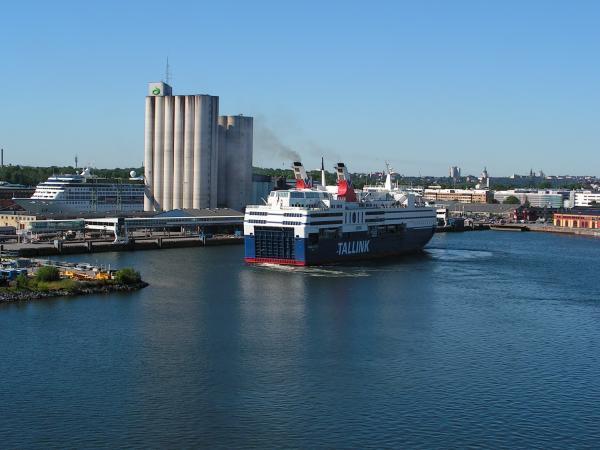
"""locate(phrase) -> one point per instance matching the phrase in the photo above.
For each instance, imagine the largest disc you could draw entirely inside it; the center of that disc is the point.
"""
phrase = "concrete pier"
(151, 243)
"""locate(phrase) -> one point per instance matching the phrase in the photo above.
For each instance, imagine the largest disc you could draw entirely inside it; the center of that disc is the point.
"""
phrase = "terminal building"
(578, 218)
(192, 157)
(124, 229)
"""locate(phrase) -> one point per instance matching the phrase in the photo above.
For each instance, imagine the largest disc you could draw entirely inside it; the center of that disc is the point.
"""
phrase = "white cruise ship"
(83, 193)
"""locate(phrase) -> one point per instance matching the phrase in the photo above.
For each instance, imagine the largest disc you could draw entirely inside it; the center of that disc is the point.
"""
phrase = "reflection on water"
(454, 255)
(478, 341)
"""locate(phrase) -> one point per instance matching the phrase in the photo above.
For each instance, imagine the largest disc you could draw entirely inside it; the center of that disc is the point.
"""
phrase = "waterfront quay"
(171, 229)
(550, 228)
(154, 242)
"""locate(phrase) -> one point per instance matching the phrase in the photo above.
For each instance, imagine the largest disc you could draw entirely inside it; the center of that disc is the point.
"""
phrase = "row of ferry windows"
(264, 213)
(285, 222)
(297, 194)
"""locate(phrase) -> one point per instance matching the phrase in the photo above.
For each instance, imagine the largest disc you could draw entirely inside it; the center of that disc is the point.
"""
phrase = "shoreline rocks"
(7, 296)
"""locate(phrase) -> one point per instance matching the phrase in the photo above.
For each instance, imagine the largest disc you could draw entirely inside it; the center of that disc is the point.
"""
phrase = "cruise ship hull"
(280, 247)
(38, 206)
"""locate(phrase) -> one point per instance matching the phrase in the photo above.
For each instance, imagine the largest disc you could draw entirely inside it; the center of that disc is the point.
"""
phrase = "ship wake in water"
(325, 272)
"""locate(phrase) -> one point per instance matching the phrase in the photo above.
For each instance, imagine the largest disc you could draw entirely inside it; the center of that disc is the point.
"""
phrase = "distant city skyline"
(509, 86)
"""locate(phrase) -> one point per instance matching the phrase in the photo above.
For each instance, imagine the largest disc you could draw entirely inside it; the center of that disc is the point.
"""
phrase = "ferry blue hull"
(351, 247)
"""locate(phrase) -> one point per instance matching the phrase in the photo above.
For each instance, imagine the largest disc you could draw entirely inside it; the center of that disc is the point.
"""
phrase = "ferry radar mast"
(388, 176)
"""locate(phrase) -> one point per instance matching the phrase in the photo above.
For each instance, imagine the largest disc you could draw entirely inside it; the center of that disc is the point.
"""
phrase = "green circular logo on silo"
(156, 91)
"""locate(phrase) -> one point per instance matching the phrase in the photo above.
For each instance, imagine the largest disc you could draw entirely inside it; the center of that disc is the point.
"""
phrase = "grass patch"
(60, 285)
(33, 284)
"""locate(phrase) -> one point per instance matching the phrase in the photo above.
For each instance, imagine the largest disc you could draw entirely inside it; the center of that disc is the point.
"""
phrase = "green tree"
(22, 281)
(47, 273)
(127, 275)
(31, 176)
(511, 200)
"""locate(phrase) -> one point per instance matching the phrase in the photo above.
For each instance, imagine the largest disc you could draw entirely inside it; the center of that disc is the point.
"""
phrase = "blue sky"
(510, 85)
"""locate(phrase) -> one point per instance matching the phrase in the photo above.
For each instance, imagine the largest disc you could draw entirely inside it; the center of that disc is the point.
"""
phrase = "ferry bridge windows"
(355, 217)
(314, 195)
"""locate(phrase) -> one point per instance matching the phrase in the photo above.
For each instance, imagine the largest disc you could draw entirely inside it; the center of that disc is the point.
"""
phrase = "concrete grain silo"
(188, 152)
(159, 150)
(148, 155)
(222, 183)
(178, 144)
(236, 143)
(186, 148)
(206, 114)
(167, 197)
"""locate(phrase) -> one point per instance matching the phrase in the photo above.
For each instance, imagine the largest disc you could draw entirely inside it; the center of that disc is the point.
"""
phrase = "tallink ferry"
(314, 225)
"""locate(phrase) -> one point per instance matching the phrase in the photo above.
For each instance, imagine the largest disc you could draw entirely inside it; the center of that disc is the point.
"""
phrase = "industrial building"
(476, 210)
(185, 145)
(262, 185)
(536, 198)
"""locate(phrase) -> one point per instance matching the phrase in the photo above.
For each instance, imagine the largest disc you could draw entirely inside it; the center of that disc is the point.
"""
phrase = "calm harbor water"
(488, 339)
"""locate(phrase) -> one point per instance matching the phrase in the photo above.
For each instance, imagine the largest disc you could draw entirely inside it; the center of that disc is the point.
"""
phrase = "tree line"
(31, 176)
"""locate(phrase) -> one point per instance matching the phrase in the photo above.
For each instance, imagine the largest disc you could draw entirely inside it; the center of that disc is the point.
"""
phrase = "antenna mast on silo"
(167, 72)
